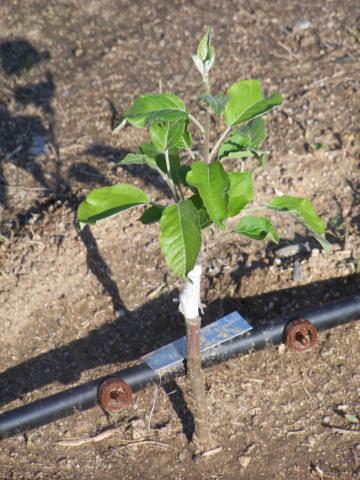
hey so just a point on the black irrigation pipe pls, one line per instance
(139, 376)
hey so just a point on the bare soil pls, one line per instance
(74, 307)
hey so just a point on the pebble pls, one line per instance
(182, 455)
(315, 252)
(138, 429)
(244, 461)
(78, 52)
(291, 250)
(297, 271)
(344, 59)
(299, 24)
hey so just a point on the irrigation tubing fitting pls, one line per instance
(133, 379)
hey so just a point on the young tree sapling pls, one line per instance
(204, 193)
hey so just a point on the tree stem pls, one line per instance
(202, 437)
(218, 144)
(207, 123)
(207, 137)
(189, 307)
(168, 168)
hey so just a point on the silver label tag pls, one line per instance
(218, 332)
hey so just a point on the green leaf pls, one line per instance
(243, 153)
(204, 48)
(166, 135)
(260, 155)
(304, 211)
(183, 171)
(148, 108)
(134, 159)
(180, 238)
(258, 228)
(302, 208)
(216, 102)
(323, 242)
(205, 57)
(157, 160)
(244, 142)
(212, 183)
(186, 140)
(252, 134)
(152, 214)
(149, 150)
(137, 159)
(241, 191)
(246, 101)
(105, 202)
(174, 158)
(198, 64)
(205, 220)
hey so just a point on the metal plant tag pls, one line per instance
(218, 332)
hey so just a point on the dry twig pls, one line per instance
(77, 442)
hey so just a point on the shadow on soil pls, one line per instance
(151, 326)
(149, 176)
(26, 139)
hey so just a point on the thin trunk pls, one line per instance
(207, 136)
(202, 437)
(189, 307)
(207, 124)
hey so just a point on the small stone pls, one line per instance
(344, 58)
(138, 429)
(291, 250)
(311, 441)
(244, 461)
(182, 456)
(326, 419)
(315, 252)
(120, 313)
(78, 52)
(300, 24)
(297, 271)
(282, 349)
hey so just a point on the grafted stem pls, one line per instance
(189, 307)
(202, 437)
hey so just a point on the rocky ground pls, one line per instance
(74, 307)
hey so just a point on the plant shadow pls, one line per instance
(115, 155)
(152, 325)
(26, 139)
